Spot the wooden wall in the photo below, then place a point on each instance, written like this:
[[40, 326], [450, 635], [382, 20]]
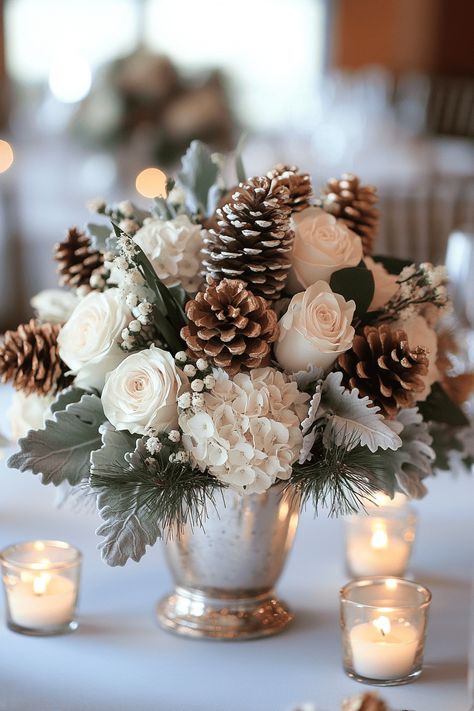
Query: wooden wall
[[432, 36]]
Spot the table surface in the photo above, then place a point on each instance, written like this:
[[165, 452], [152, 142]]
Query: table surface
[[120, 660]]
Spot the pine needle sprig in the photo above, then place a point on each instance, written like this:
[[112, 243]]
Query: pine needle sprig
[[341, 478], [166, 494]]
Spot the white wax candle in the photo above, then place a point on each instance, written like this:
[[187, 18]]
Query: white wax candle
[[41, 601], [377, 555], [379, 654]]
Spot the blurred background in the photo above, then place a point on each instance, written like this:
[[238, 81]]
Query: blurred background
[[94, 91]]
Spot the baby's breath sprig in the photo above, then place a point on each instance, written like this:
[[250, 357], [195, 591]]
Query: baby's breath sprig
[[201, 381], [418, 285]]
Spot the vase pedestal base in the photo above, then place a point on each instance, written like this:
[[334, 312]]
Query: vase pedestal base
[[195, 613]]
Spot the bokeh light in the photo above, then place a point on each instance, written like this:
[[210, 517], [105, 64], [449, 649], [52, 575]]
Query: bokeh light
[[69, 77], [6, 156], [151, 183]]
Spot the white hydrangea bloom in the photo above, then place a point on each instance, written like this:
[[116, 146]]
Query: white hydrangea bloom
[[248, 433], [173, 247]]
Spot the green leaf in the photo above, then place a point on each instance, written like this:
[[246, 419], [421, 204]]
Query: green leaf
[[239, 163], [197, 176], [168, 313], [61, 451], [66, 397], [142, 498], [438, 407], [355, 283], [393, 265]]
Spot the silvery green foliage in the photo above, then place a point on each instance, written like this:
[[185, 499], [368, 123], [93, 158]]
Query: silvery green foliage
[[121, 480], [353, 419], [198, 177], [61, 451], [413, 461], [65, 398], [309, 427], [99, 235]]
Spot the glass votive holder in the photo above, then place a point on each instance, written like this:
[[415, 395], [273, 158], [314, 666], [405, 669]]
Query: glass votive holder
[[381, 542], [41, 584], [383, 622]]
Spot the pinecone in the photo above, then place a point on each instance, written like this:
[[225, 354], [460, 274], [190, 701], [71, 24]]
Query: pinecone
[[253, 239], [384, 367], [76, 260], [29, 357], [299, 185], [354, 203], [365, 702], [230, 326]]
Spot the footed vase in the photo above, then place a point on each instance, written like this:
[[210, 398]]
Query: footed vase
[[225, 573]]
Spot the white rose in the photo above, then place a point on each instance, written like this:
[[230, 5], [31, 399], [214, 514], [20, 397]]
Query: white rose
[[315, 329], [54, 305], [89, 340], [174, 249], [385, 284], [420, 334], [322, 245], [28, 412], [142, 392]]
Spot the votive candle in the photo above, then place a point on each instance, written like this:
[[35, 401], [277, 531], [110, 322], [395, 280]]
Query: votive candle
[[41, 584], [383, 624]]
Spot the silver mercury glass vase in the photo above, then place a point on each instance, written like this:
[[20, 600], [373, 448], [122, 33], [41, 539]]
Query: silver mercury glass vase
[[225, 573]]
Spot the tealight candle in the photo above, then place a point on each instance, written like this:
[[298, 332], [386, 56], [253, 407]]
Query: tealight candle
[[383, 625], [41, 581], [380, 544]]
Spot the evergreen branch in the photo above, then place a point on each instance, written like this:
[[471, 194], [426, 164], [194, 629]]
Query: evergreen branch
[[141, 501], [341, 478]]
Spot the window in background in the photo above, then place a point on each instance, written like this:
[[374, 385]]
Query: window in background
[[272, 50], [49, 39]]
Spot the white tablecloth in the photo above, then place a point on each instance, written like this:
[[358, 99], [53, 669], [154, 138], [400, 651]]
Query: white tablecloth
[[120, 660]]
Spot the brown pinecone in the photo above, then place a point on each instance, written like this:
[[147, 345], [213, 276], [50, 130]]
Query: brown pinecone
[[76, 259], [365, 702], [230, 326], [299, 185], [29, 357], [354, 203], [253, 239], [384, 367]]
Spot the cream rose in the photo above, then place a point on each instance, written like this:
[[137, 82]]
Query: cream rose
[[89, 340], [315, 329], [174, 249], [420, 334], [54, 305], [141, 393], [385, 284], [322, 245], [28, 412]]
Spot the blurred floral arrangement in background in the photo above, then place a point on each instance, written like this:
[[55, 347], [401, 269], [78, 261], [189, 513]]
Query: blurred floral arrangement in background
[[143, 97], [235, 336]]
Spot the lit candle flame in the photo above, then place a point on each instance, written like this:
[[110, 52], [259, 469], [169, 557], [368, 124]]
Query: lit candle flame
[[379, 538], [391, 584], [6, 156], [40, 583], [383, 625]]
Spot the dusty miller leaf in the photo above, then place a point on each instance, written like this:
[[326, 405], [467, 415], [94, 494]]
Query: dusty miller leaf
[[197, 176], [66, 397], [353, 418], [413, 461], [138, 499], [61, 451]]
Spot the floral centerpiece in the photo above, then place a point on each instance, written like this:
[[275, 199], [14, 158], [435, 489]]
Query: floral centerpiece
[[234, 338]]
